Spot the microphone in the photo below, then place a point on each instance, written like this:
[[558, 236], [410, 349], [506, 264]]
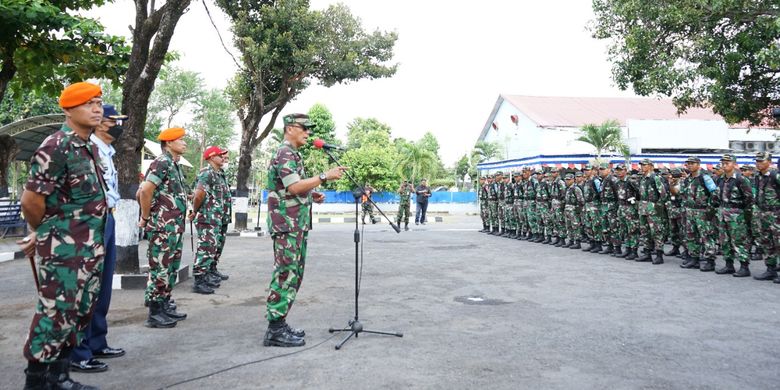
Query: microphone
[[320, 144]]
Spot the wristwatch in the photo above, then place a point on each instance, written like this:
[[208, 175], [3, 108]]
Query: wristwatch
[[323, 178]]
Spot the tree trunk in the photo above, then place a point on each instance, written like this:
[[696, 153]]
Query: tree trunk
[[146, 59], [8, 152], [7, 72]]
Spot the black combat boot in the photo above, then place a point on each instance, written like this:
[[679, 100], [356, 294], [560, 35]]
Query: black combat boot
[[706, 265], [684, 253], [58, 377], [728, 269], [631, 253], [546, 240], [744, 270], [674, 252], [406, 227], [216, 272], [484, 227], [777, 280], [645, 256], [158, 318], [596, 247], [200, 287], [212, 280], [35, 376], [576, 245], [618, 251], [769, 274], [300, 333], [557, 242], [590, 245], [278, 335], [607, 250], [172, 313], [513, 234], [659, 257], [690, 262], [494, 231]]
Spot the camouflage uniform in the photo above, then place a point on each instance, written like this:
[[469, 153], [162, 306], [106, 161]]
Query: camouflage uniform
[[209, 219], [509, 204], [404, 204], [227, 219], [289, 222], [767, 213], [165, 227], [675, 215], [543, 208], [574, 202], [517, 208], [532, 218], [652, 216], [627, 214], [368, 207], [501, 205], [69, 242], [484, 212], [735, 197], [493, 205], [699, 230], [590, 217], [557, 201], [608, 209]]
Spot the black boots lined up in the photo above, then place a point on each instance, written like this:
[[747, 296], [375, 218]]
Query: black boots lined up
[[52, 376]]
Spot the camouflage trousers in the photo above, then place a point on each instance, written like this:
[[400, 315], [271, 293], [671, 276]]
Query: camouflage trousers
[[484, 213], [531, 216], [734, 234], [368, 208], [522, 225], [543, 212], [404, 209], [628, 225], [493, 211], [208, 245], [610, 230], [591, 224], [700, 233], [501, 209], [509, 216], [69, 289], [573, 227], [676, 227], [164, 256], [289, 263], [767, 230], [652, 225], [221, 243], [557, 220]]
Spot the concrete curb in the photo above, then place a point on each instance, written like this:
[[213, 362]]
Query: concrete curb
[[8, 256], [138, 281]]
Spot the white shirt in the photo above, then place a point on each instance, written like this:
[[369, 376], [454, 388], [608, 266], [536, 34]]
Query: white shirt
[[110, 175]]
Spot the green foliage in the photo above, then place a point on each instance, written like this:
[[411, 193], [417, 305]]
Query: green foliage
[[175, 90], [212, 125], [112, 93], [429, 142], [723, 54], [45, 44], [365, 131], [415, 162], [26, 104], [317, 161], [370, 164], [484, 151], [606, 136], [463, 166], [442, 182]]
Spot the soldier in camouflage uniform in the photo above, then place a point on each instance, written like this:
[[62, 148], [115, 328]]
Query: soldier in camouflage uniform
[[675, 212], [608, 207], [543, 207], [64, 203], [509, 202], [590, 218], [368, 207], [227, 218], [208, 209], [627, 214], [163, 201], [557, 202], [501, 205], [574, 201], [532, 215], [484, 213], [290, 196], [405, 201], [652, 216], [493, 203], [517, 207], [767, 214], [735, 197], [696, 193], [748, 171]]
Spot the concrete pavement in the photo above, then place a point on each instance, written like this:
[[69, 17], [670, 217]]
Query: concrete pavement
[[475, 310]]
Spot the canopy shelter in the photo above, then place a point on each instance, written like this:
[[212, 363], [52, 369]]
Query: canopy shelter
[[28, 133]]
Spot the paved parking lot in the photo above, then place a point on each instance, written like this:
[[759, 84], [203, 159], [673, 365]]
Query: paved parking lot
[[476, 311]]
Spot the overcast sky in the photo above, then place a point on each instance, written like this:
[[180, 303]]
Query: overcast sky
[[455, 59]]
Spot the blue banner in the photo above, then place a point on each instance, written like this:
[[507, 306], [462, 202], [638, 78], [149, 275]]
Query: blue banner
[[391, 197]]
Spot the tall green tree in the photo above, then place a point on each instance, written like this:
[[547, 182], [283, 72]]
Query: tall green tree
[[45, 43], [212, 125], [284, 47], [723, 54], [371, 164], [176, 91], [484, 151], [603, 137], [317, 161], [362, 131], [416, 162]]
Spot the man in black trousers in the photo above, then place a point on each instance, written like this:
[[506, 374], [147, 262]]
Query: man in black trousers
[[423, 193]]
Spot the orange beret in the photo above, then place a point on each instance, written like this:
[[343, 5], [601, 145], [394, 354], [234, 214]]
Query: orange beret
[[171, 134], [78, 93]]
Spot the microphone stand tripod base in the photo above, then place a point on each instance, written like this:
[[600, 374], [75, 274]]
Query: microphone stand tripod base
[[355, 328]]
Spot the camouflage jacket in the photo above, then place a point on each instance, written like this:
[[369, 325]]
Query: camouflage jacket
[[509, 193], [574, 196], [558, 190], [483, 192], [529, 190], [492, 191], [287, 212], [213, 209], [543, 192], [227, 202], [405, 194], [169, 201], [768, 190], [65, 171], [609, 189], [589, 191], [652, 189], [626, 189], [735, 192], [694, 192], [518, 189]]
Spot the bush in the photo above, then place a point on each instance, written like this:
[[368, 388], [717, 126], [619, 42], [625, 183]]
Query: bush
[[442, 183]]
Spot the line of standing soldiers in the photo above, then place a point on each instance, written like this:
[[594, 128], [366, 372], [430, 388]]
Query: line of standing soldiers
[[701, 214]]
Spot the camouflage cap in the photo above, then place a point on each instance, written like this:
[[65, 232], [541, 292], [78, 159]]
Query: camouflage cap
[[587, 167], [763, 156], [717, 167], [569, 176], [300, 119], [676, 172], [604, 165], [693, 159], [728, 157], [664, 171], [538, 171], [526, 168], [747, 168], [620, 167], [578, 174], [498, 173], [646, 161]]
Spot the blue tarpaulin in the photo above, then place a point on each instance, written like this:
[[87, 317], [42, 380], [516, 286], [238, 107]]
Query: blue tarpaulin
[[391, 197]]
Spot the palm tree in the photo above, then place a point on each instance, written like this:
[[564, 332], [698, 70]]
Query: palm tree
[[416, 162], [484, 151], [606, 136]]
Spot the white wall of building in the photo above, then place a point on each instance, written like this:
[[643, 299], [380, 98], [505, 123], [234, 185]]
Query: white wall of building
[[678, 134]]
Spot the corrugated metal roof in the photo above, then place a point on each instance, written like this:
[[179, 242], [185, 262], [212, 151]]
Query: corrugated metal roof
[[552, 111]]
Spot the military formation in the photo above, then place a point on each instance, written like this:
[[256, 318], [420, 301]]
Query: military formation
[[730, 211]]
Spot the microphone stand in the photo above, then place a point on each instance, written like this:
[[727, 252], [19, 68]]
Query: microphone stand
[[354, 326]]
